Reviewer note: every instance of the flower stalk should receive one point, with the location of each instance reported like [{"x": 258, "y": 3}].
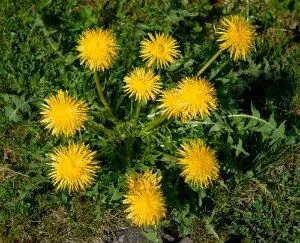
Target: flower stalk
[
  {"x": 154, "y": 123},
  {"x": 100, "y": 93},
  {"x": 209, "y": 62},
  {"x": 99, "y": 128},
  {"x": 137, "y": 110}
]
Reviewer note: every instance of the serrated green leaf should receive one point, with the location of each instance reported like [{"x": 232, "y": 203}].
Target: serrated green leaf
[
  {"x": 64, "y": 197},
  {"x": 272, "y": 121},
  {"x": 151, "y": 236},
  {"x": 11, "y": 114},
  {"x": 265, "y": 130},
  {"x": 239, "y": 149},
  {"x": 117, "y": 195},
  {"x": 267, "y": 69},
  {"x": 241, "y": 127},
  {"x": 254, "y": 111},
  {"x": 236, "y": 120},
  {"x": 229, "y": 139},
  {"x": 279, "y": 133},
  {"x": 215, "y": 128},
  {"x": 251, "y": 124},
  {"x": 70, "y": 59}
]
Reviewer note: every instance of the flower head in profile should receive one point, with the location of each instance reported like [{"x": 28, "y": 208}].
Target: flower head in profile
[
  {"x": 97, "y": 49},
  {"x": 236, "y": 35},
  {"x": 199, "y": 164},
  {"x": 142, "y": 84},
  {"x": 64, "y": 114},
  {"x": 160, "y": 50},
  {"x": 146, "y": 205},
  {"x": 198, "y": 97},
  {"x": 72, "y": 167},
  {"x": 171, "y": 104}
]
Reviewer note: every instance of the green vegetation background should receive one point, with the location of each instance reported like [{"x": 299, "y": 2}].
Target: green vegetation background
[{"x": 259, "y": 200}]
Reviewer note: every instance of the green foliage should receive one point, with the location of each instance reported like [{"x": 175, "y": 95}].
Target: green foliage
[{"x": 255, "y": 132}]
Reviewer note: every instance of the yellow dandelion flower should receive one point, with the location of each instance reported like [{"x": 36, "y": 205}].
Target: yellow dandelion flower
[
  {"x": 142, "y": 84},
  {"x": 198, "y": 97},
  {"x": 145, "y": 199},
  {"x": 72, "y": 167},
  {"x": 97, "y": 49},
  {"x": 236, "y": 35},
  {"x": 199, "y": 163},
  {"x": 171, "y": 104},
  {"x": 64, "y": 114},
  {"x": 161, "y": 50}
]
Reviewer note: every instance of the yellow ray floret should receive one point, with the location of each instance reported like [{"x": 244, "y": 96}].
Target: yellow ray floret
[
  {"x": 142, "y": 84},
  {"x": 160, "y": 50},
  {"x": 64, "y": 114},
  {"x": 236, "y": 35},
  {"x": 199, "y": 164},
  {"x": 72, "y": 167},
  {"x": 97, "y": 49},
  {"x": 146, "y": 205},
  {"x": 198, "y": 97}
]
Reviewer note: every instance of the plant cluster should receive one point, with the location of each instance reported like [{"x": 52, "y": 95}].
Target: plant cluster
[
  {"x": 193, "y": 98},
  {"x": 172, "y": 139}
]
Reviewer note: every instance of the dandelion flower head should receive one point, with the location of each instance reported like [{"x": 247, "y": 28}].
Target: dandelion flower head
[
  {"x": 63, "y": 114},
  {"x": 72, "y": 167},
  {"x": 236, "y": 35},
  {"x": 159, "y": 49},
  {"x": 146, "y": 205},
  {"x": 198, "y": 97},
  {"x": 199, "y": 164},
  {"x": 142, "y": 84},
  {"x": 97, "y": 49}
]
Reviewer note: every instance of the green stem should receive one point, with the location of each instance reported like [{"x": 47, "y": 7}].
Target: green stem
[
  {"x": 100, "y": 92},
  {"x": 128, "y": 148},
  {"x": 5, "y": 169},
  {"x": 65, "y": 140},
  {"x": 137, "y": 110},
  {"x": 119, "y": 103},
  {"x": 68, "y": 206},
  {"x": 131, "y": 109},
  {"x": 210, "y": 61},
  {"x": 150, "y": 125},
  {"x": 247, "y": 8},
  {"x": 169, "y": 157},
  {"x": 252, "y": 117},
  {"x": 98, "y": 127},
  {"x": 237, "y": 115}
]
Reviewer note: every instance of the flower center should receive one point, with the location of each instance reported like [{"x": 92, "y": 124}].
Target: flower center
[
  {"x": 96, "y": 48},
  {"x": 71, "y": 169},
  {"x": 63, "y": 114},
  {"x": 160, "y": 48}
]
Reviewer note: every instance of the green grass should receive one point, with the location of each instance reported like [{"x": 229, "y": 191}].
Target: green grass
[{"x": 257, "y": 197}]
